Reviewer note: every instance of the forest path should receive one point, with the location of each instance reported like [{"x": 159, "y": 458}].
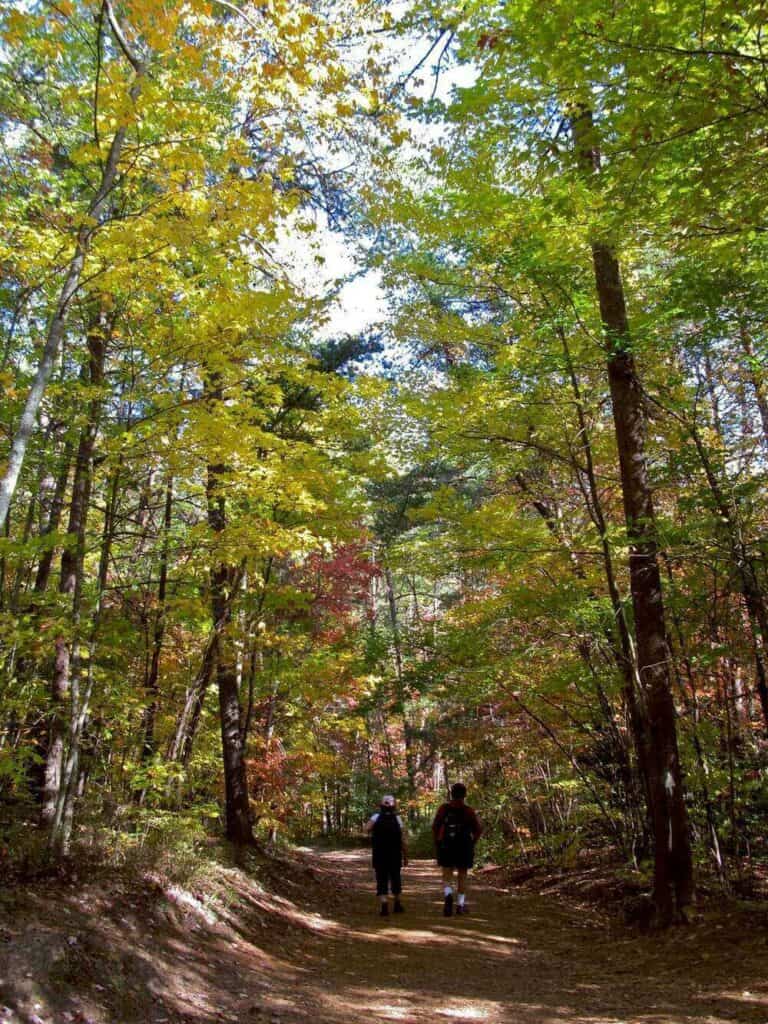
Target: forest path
[
  {"x": 523, "y": 959},
  {"x": 112, "y": 951}
]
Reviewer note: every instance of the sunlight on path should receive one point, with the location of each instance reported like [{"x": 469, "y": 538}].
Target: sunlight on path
[
  {"x": 317, "y": 952},
  {"x": 514, "y": 959}
]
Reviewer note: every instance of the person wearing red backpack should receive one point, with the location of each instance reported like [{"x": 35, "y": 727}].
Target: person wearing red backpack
[
  {"x": 390, "y": 853},
  {"x": 456, "y": 829}
]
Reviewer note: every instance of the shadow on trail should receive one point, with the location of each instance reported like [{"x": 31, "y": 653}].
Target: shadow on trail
[
  {"x": 320, "y": 953},
  {"x": 522, "y": 959}
]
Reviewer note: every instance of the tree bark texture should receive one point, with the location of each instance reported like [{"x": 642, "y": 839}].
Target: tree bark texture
[
  {"x": 186, "y": 726},
  {"x": 239, "y": 828},
  {"x": 65, "y": 685},
  {"x": 158, "y": 632},
  {"x": 673, "y": 863},
  {"x": 54, "y": 518}
]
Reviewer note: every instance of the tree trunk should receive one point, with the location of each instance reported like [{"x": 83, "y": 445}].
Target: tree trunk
[
  {"x": 695, "y": 719},
  {"x": 66, "y": 676},
  {"x": 752, "y": 593},
  {"x": 54, "y": 518},
  {"x": 239, "y": 828},
  {"x": 57, "y": 733},
  {"x": 158, "y": 633},
  {"x": 673, "y": 864},
  {"x": 186, "y": 726},
  {"x": 402, "y": 696}
]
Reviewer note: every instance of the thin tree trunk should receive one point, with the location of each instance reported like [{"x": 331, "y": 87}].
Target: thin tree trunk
[
  {"x": 255, "y": 667},
  {"x": 66, "y": 682},
  {"x": 21, "y": 576},
  {"x": 158, "y": 633},
  {"x": 701, "y": 760},
  {"x": 624, "y": 652},
  {"x": 402, "y": 697},
  {"x": 186, "y": 726},
  {"x": 745, "y": 571},
  {"x": 73, "y": 781},
  {"x": 54, "y": 519}
]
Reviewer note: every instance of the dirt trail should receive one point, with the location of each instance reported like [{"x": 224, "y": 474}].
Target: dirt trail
[
  {"x": 522, "y": 959},
  {"x": 527, "y": 960}
]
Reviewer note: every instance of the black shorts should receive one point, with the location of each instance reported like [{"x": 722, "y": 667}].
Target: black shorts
[{"x": 459, "y": 856}]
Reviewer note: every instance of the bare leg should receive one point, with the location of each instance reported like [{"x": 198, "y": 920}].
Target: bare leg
[
  {"x": 461, "y": 907},
  {"x": 447, "y": 891}
]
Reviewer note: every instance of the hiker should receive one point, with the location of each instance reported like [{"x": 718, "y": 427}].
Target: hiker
[
  {"x": 456, "y": 830},
  {"x": 390, "y": 853}
]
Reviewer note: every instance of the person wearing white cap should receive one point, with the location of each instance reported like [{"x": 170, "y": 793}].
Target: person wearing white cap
[{"x": 390, "y": 853}]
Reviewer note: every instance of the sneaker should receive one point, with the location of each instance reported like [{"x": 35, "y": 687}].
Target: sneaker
[
  {"x": 398, "y": 907},
  {"x": 384, "y": 912},
  {"x": 448, "y": 905}
]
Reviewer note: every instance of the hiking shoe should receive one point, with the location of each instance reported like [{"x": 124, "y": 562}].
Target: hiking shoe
[
  {"x": 448, "y": 905},
  {"x": 398, "y": 907},
  {"x": 384, "y": 912}
]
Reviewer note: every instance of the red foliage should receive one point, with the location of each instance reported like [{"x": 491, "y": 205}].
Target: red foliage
[{"x": 341, "y": 585}]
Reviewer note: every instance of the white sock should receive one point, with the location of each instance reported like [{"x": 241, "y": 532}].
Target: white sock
[
  {"x": 461, "y": 899},
  {"x": 449, "y": 890}
]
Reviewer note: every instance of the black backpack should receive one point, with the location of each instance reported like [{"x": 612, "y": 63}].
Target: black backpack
[
  {"x": 456, "y": 829},
  {"x": 386, "y": 832}
]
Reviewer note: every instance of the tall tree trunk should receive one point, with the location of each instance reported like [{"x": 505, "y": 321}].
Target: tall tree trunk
[
  {"x": 57, "y": 731},
  {"x": 624, "y": 652},
  {"x": 65, "y": 684},
  {"x": 158, "y": 632},
  {"x": 673, "y": 862},
  {"x": 239, "y": 828},
  {"x": 402, "y": 696}
]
